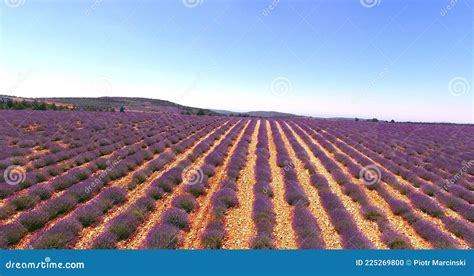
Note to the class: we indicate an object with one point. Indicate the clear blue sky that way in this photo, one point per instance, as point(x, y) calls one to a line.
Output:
point(406, 60)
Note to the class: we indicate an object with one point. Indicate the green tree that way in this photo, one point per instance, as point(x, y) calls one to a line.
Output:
point(10, 103)
point(122, 109)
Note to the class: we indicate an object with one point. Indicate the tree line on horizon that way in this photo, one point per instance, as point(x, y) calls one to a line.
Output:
point(7, 103)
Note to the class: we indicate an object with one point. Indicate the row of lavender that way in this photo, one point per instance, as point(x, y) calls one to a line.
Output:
point(308, 232)
point(91, 212)
point(125, 224)
point(167, 233)
point(93, 142)
point(226, 197)
point(80, 192)
point(29, 197)
point(424, 228)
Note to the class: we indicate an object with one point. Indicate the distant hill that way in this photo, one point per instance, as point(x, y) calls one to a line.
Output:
point(130, 104)
point(270, 114)
point(141, 105)
point(266, 114)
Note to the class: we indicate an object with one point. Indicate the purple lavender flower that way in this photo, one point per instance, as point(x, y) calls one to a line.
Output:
point(58, 236)
point(176, 217)
point(213, 235)
point(185, 202)
point(163, 236)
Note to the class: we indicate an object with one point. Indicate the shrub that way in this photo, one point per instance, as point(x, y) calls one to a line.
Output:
point(208, 170)
point(434, 235)
point(233, 173)
point(372, 213)
point(215, 159)
point(139, 177)
point(307, 229)
point(88, 215)
point(229, 183)
point(43, 192)
point(185, 202)
point(155, 192)
point(6, 211)
point(101, 163)
point(145, 204)
point(165, 184)
point(82, 174)
point(461, 229)
point(10, 234)
point(196, 190)
point(462, 192)
point(226, 198)
point(395, 240)
point(263, 174)
point(263, 215)
point(5, 189)
point(354, 239)
point(62, 183)
point(58, 236)
point(33, 220)
point(106, 240)
point(398, 207)
point(115, 194)
point(60, 205)
point(213, 235)
point(355, 192)
point(428, 190)
point(319, 181)
point(124, 225)
point(39, 177)
point(263, 188)
point(23, 202)
point(283, 160)
point(425, 204)
point(176, 217)
point(262, 242)
point(294, 194)
point(340, 177)
point(163, 236)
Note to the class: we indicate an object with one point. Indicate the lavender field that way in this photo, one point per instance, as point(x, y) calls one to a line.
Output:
point(138, 180)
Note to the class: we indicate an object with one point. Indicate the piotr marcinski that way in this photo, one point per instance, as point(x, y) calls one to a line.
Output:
point(439, 262)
